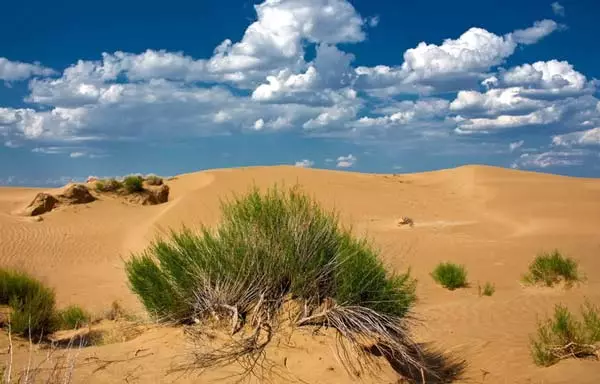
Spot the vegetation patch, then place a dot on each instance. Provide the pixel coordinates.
(488, 289)
(270, 251)
(32, 304)
(133, 183)
(552, 268)
(108, 185)
(564, 336)
(153, 180)
(450, 275)
(73, 317)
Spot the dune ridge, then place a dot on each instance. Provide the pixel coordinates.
(492, 220)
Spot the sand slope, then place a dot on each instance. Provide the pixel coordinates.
(490, 219)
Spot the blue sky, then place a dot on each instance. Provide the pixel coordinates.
(373, 86)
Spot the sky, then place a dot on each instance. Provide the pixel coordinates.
(112, 88)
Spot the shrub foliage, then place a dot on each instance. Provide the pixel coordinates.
(32, 304)
(270, 248)
(153, 180)
(73, 317)
(551, 268)
(563, 336)
(133, 183)
(108, 185)
(450, 275)
(488, 289)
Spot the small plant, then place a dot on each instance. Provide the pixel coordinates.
(108, 185)
(73, 317)
(133, 184)
(563, 336)
(450, 275)
(488, 289)
(154, 180)
(551, 268)
(31, 302)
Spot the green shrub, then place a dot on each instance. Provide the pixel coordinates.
(32, 304)
(108, 185)
(133, 184)
(73, 317)
(564, 336)
(488, 289)
(270, 248)
(450, 275)
(551, 268)
(154, 180)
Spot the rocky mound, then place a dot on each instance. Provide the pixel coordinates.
(45, 202)
(151, 195)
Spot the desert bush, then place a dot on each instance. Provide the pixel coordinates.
(133, 184)
(563, 336)
(154, 180)
(73, 317)
(488, 289)
(32, 304)
(108, 185)
(551, 268)
(450, 275)
(270, 248)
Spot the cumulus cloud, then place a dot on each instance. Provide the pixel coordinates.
(346, 161)
(558, 9)
(587, 137)
(454, 63)
(305, 163)
(547, 78)
(16, 70)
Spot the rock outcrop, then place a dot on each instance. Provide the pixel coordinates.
(42, 203)
(76, 194)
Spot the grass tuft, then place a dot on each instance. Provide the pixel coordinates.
(270, 248)
(551, 268)
(73, 317)
(32, 304)
(133, 183)
(563, 336)
(153, 180)
(108, 185)
(450, 275)
(488, 289)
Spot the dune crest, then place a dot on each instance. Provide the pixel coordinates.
(492, 220)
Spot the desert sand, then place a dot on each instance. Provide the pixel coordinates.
(492, 220)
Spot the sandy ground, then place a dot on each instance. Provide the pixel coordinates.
(490, 219)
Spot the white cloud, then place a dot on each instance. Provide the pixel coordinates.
(259, 124)
(77, 154)
(558, 9)
(16, 70)
(516, 145)
(454, 63)
(532, 35)
(547, 78)
(305, 163)
(373, 21)
(587, 137)
(494, 102)
(346, 161)
(549, 159)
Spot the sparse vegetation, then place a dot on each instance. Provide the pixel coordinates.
(73, 317)
(450, 275)
(133, 183)
(270, 249)
(488, 289)
(551, 268)
(563, 336)
(32, 304)
(153, 180)
(108, 185)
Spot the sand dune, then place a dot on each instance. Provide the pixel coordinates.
(490, 219)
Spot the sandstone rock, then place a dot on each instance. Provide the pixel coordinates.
(76, 194)
(43, 202)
